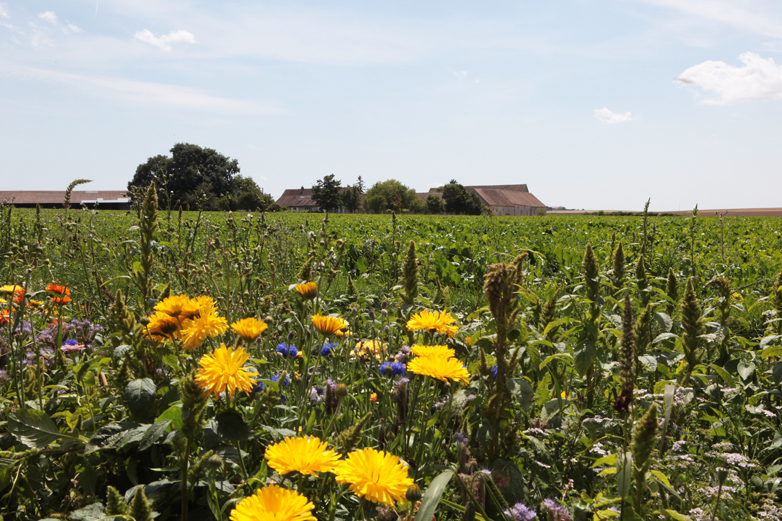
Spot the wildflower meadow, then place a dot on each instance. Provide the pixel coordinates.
(160, 364)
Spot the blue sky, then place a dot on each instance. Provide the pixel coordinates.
(593, 104)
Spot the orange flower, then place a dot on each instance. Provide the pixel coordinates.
(62, 293)
(373, 398)
(4, 316)
(18, 295)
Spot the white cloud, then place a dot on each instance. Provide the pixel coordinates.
(758, 80)
(143, 93)
(162, 42)
(606, 116)
(459, 74)
(3, 12)
(74, 28)
(49, 16)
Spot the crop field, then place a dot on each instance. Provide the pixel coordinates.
(202, 366)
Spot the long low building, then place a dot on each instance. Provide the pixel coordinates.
(105, 199)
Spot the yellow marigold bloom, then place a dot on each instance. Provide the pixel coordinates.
(306, 455)
(223, 371)
(36, 303)
(738, 296)
(440, 368)
(10, 288)
(308, 290)
(330, 325)
(162, 327)
(375, 475)
(373, 398)
(3, 301)
(368, 349)
(177, 306)
(249, 328)
(439, 321)
(206, 324)
(435, 351)
(274, 503)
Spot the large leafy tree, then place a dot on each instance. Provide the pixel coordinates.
(192, 176)
(391, 195)
(326, 193)
(247, 195)
(459, 201)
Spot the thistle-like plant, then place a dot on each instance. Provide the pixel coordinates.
(777, 299)
(147, 228)
(68, 191)
(692, 324)
(643, 332)
(619, 266)
(194, 404)
(642, 447)
(725, 294)
(642, 281)
(672, 291)
(592, 280)
(626, 359)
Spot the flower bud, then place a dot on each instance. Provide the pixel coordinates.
(342, 391)
(413, 493)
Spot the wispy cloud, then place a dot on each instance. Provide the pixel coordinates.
(758, 80)
(74, 28)
(3, 12)
(756, 17)
(459, 74)
(144, 93)
(163, 41)
(49, 16)
(606, 116)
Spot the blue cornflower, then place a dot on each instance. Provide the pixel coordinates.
(385, 369)
(328, 349)
(287, 351)
(494, 373)
(398, 368)
(71, 342)
(276, 378)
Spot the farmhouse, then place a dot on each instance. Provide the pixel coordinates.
(105, 199)
(508, 199)
(298, 200)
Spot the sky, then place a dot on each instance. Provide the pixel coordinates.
(595, 104)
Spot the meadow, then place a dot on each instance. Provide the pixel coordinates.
(160, 364)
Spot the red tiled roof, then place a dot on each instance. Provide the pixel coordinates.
(512, 188)
(297, 197)
(58, 196)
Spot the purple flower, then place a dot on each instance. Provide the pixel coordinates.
(520, 512)
(494, 373)
(317, 394)
(287, 351)
(555, 511)
(285, 382)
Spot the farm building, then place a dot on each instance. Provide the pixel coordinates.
(298, 200)
(508, 199)
(105, 199)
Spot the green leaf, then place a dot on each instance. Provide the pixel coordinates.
(522, 391)
(771, 351)
(605, 460)
(232, 427)
(174, 415)
(672, 514)
(565, 356)
(724, 375)
(745, 370)
(776, 373)
(153, 433)
(5, 475)
(432, 496)
(662, 478)
(108, 436)
(624, 466)
(585, 355)
(34, 428)
(649, 362)
(140, 397)
(663, 336)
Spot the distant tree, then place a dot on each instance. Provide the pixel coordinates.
(459, 201)
(434, 204)
(247, 195)
(396, 197)
(351, 198)
(327, 193)
(192, 176)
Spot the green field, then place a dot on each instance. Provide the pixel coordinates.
(566, 381)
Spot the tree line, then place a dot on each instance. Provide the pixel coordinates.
(201, 178)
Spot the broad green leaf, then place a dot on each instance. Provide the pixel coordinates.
(662, 477)
(232, 427)
(724, 375)
(432, 496)
(672, 514)
(140, 397)
(522, 391)
(563, 356)
(663, 336)
(649, 362)
(585, 356)
(153, 433)
(745, 370)
(605, 460)
(34, 428)
(624, 466)
(771, 351)
(174, 414)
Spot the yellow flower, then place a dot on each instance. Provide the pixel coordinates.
(177, 306)
(36, 303)
(737, 296)
(308, 290)
(206, 324)
(274, 503)
(10, 288)
(440, 368)
(564, 396)
(304, 455)
(162, 327)
(375, 475)
(433, 351)
(439, 321)
(249, 328)
(368, 349)
(373, 398)
(222, 371)
(330, 325)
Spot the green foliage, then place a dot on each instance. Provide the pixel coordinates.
(326, 193)
(391, 195)
(459, 201)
